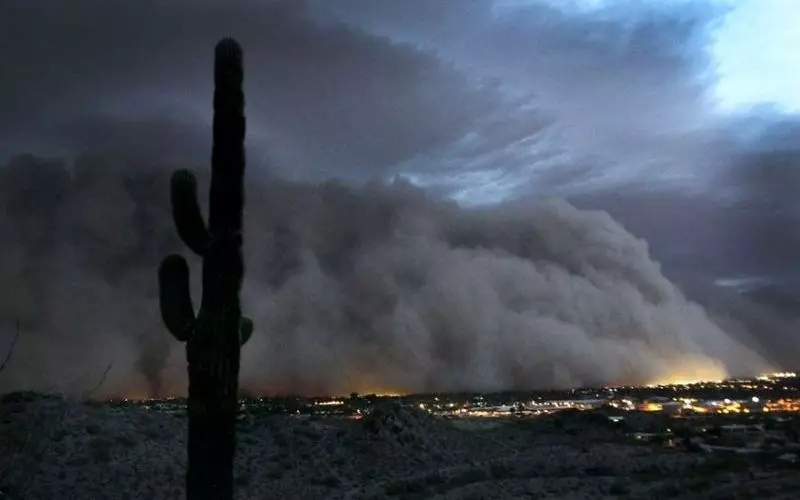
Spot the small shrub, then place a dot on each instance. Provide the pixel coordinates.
(500, 470)
(79, 460)
(599, 470)
(468, 476)
(280, 439)
(151, 433)
(248, 439)
(434, 479)
(331, 481)
(126, 440)
(100, 450)
(20, 397)
(671, 490)
(274, 470)
(59, 435)
(702, 484)
(619, 488)
(405, 487)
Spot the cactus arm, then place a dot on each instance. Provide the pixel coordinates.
(186, 212)
(245, 330)
(177, 311)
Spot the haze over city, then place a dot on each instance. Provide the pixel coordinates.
(452, 195)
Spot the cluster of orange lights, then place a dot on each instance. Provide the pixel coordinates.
(780, 405)
(726, 406)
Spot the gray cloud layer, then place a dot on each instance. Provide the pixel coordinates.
(326, 99)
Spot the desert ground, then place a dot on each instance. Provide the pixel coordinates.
(55, 448)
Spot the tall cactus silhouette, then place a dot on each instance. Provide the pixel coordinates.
(215, 335)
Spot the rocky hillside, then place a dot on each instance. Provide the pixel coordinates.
(53, 448)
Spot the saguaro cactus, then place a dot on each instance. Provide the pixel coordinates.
(214, 336)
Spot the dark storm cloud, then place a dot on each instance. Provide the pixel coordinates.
(451, 93)
(743, 223)
(326, 99)
(762, 185)
(623, 89)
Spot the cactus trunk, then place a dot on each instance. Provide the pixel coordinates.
(214, 337)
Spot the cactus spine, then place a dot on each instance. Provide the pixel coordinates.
(214, 336)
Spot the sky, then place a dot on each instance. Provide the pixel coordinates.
(661, 137)
(751, 52)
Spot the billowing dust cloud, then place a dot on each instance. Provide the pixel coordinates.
(370, 289)
(385, 287)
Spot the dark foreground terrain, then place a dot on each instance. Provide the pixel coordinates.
(53, 448)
